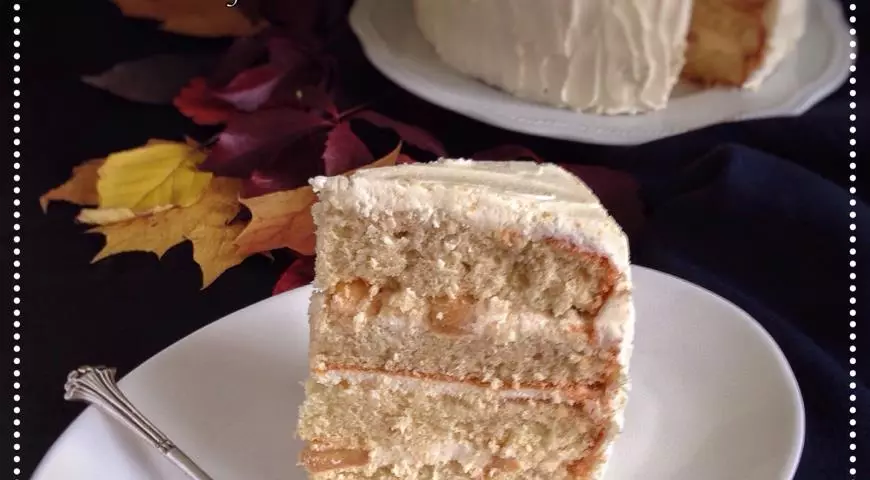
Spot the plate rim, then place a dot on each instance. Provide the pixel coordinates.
(797, 445)
(832, 77)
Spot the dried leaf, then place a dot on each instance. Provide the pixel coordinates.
(155, 175)
(251, 88)
(205, 224)
(154, 80)
(80, 189)
(201, 18)
(107, 216)
(344, 151)
(299, 273)
(197, 102)
(408, 133)
(280, 219)
(253, 140)
(283, 219)
(290, 168)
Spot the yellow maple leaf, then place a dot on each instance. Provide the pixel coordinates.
(283, 219)
(201, 18)
(80, 189)
(205, 224)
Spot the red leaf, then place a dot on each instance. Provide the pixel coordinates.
(298, 274)
(253, 140)
(197, 102)
(154, 80)
(507, 152)
(344, 151)
(289, 167)
(251, 88)
(307, 97)
(413, 135)
(618, 192)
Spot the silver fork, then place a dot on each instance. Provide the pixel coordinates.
(97, 386)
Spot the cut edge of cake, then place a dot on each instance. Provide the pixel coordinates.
(394, 328)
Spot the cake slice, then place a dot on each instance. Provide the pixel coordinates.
(470, 320)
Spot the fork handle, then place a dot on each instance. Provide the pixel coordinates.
(97, 386)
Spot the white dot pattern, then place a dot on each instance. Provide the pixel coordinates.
(16, 246)
(853, 472)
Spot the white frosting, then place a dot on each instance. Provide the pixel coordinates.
(785, 22)
(538, 201)
(601, 56)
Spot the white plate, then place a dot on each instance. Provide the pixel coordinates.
(713, 397)
(820, 64)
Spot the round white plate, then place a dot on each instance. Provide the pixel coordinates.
(713, 397)
(820, 64)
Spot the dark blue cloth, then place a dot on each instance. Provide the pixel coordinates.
(773, 238)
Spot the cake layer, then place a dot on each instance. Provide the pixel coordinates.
(357, 327)
(532, 245)
(363, 423)
(741, 42)
(603, 56)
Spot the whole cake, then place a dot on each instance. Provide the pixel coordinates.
(611, 56)
(470, 320)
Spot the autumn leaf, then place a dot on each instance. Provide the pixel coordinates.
(292, 77)
(299, 273)
(156, 79)
(280, 219)
(206, 224)
(344, 151)
(254, 140)
(407, 133)
(282, 147)
(80, 189)
(152, 176)
(283, 219)
(200, 18)
(197, 102)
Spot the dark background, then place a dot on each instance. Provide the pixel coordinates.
(727, 208)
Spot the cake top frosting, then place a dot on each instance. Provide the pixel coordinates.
(536, 200)
(542, 181)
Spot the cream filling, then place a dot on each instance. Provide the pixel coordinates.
(405, 464)
(434, 388)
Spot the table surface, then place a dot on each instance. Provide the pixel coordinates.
(125, 309)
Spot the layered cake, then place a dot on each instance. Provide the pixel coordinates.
(470, 320)
(611, 56)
